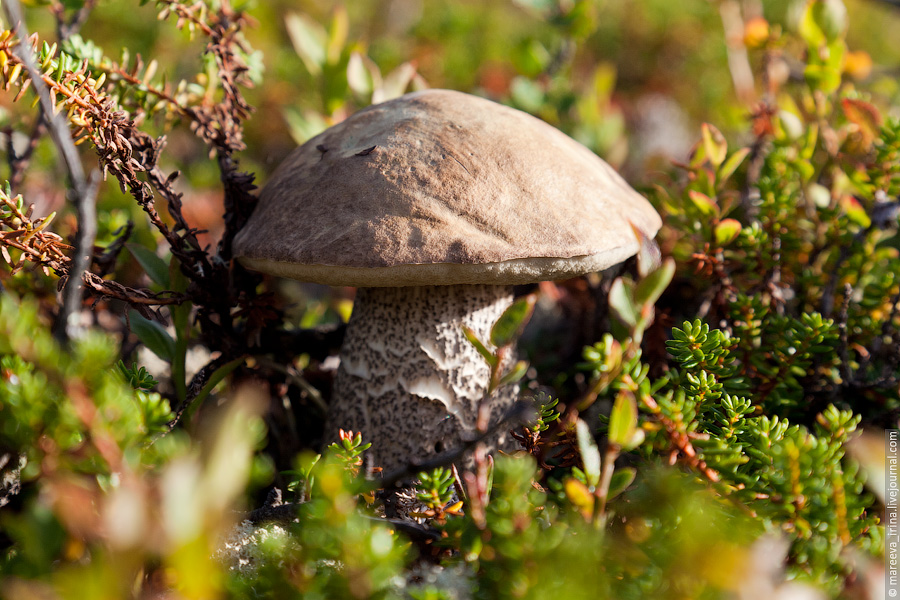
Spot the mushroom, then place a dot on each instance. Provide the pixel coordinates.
(434, 205)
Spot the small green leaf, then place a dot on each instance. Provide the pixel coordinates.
(714, 143)
(152, 335)
(515, 374)
(527, 94)
(829, 17)
(705, 204)
(488, 356)
(337, 35)
(531, 57)
(303, 125)
(826, 75)
(622, 303)
(731, 164)
(651, 287)
(590, 455)
(620, 480)
(727, 231)
(623, 421)
(855, 211)
(510, 324)
(698, 155)
(309, 39)
(155, 267)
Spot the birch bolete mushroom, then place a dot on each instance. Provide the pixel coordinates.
(434, 205)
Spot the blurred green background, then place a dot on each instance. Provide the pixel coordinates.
(655, 69)
(632, 80)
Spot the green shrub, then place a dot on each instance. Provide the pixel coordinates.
(700, 460)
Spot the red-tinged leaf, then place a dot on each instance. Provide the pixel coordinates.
(727, 231)
(706, 205)
(648, 256)
(698, 155)
(866, 118)
(714, 143)
(855, 211)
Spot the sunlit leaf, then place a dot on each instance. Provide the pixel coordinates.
(488, 356)
(527, 94)
(395, 83)
(304, 125)
(309, 40)
(727, 231)
(622, 302)
(337, 34)
(823, 21)
(580, 496)
(731, 164)
(359, 75)
(590, 455)
(623, 421)
(855, 211)
(651, 287)
(515, 374)
(866, 118)
(648, 255)
(706, 205)
(714, 143)
(510, 324)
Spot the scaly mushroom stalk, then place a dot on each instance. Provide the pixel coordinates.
(408, 375)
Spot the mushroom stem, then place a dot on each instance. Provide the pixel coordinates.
(409, 380)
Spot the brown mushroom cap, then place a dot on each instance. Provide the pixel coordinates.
(440, 187)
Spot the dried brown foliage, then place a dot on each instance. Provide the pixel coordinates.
(94, 96)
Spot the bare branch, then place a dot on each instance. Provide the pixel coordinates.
(84, 190)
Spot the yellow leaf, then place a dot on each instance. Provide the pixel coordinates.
(580, 496)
